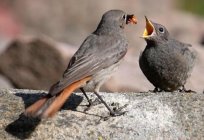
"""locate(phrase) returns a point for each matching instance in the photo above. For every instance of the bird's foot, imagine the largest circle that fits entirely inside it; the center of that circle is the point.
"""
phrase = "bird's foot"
(183, 89)
(92, 103)
(187, 91)
(156, 89)
(117, 110)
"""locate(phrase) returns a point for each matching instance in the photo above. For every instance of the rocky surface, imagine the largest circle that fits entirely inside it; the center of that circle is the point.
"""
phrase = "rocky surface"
(149, 116)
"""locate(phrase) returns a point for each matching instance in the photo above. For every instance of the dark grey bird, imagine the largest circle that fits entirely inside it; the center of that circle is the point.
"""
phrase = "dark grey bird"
(166, 62)
(92, 64)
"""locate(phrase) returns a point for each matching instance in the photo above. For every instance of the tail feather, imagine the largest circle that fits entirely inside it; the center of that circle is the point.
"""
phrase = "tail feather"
(58, 102)
(49, 105)
(32, 110)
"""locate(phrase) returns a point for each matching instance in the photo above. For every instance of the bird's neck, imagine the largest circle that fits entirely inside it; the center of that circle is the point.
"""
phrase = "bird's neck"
(154, 43)
(151, 43)
(108, 31)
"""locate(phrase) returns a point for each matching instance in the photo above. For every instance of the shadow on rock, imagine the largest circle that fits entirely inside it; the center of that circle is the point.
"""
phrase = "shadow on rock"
(70, 104)
(23, 127)
(29, 99)
(73, 102)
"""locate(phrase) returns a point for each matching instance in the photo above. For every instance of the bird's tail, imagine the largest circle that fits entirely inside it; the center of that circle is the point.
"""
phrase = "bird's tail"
(47, 106)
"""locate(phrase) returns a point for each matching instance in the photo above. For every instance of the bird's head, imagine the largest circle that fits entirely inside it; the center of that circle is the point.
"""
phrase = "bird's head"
(116, 20)
(155, 32)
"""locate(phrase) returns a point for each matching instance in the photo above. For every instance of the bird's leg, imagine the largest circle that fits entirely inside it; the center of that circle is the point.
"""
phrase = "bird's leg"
(156, 89)
(112, 112)
(183, 89)
(91, 103)
(89, 100)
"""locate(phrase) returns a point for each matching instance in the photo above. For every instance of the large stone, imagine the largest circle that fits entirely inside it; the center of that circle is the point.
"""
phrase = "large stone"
(5, 83)
(149, 116)
(32, 63)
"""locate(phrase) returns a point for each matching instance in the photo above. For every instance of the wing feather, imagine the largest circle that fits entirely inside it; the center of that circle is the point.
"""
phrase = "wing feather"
(95, 54)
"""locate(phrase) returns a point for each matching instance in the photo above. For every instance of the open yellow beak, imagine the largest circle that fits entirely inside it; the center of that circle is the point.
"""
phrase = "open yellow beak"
(149, 28)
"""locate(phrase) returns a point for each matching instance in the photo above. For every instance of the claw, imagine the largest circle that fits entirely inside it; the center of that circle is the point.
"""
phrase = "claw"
(156, 89)
(117, 111)
(92, 103)
(185, 90)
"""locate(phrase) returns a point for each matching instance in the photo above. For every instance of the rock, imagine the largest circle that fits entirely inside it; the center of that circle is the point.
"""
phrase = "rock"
(202, 40)
(33, 63)
(5, 83)
(149, 116)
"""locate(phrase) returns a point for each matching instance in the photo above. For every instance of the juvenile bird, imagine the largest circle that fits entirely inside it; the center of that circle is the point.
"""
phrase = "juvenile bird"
(98, 56)
(166, 62)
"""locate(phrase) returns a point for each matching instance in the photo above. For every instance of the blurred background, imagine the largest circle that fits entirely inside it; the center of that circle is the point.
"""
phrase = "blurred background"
(37, 38)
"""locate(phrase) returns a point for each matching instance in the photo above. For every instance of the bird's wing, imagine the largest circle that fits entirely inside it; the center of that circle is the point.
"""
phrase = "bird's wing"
(185, 49)
(184, 52)
(95, 54)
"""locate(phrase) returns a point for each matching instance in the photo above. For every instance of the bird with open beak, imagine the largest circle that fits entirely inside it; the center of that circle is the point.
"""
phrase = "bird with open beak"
(167, 63)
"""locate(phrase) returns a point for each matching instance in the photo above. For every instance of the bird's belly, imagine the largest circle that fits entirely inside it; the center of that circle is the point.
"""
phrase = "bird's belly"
(163, 71)
(100, 77)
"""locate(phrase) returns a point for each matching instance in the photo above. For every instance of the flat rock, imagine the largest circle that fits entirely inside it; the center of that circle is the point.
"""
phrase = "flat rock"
(149, 115)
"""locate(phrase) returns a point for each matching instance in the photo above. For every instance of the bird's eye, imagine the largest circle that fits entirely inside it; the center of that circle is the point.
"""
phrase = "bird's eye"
(161, 30)
(124, 17)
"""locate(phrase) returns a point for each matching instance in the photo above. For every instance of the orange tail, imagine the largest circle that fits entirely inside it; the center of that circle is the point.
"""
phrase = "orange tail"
(49, 105)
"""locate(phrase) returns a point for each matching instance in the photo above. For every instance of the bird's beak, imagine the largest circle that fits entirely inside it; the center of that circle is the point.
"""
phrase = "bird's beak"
(131, 19)
(149, 29)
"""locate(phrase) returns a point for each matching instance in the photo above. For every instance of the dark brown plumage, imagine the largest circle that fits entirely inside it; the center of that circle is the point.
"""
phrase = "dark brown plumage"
(166, 62)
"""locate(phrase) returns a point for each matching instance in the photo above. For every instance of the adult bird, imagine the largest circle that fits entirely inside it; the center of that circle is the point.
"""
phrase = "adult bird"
(92, 64)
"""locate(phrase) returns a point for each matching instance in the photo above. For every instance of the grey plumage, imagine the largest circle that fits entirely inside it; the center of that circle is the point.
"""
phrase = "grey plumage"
(167, 63)
(98, 56)
(100, 50)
